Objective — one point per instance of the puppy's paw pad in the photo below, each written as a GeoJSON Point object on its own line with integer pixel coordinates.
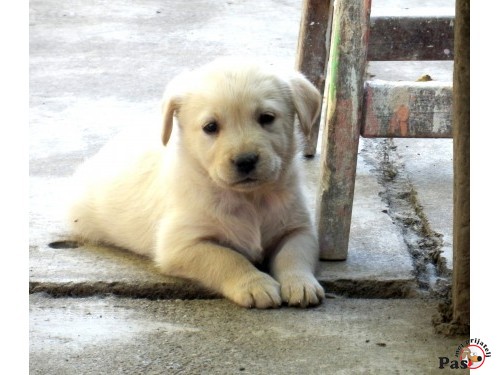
{"type": "Point", "coordinates": [260, 291]}
{"type": "Point", "coordinates": [301, 290]}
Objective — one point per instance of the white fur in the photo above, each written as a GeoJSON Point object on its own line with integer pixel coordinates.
{"type": "Point", "coordinates": [183, 202]}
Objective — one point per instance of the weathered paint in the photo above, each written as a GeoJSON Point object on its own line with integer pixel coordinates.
{"type": "Point", "coordinates": [343, 120]}
{"type": "Point", "coordinates": [334, 64]}
{"type": "Point", "coordinates": [399, 121]}
{"type": "Point", "coordinates": [407, 109]}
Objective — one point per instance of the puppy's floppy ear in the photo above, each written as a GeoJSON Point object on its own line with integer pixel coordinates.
{"type": "Point", "coordinates": [173, 97]}
{"type": "Point", "coordinates": [169, 105]}
{"type": "Point", "coordinates": [306, 99]}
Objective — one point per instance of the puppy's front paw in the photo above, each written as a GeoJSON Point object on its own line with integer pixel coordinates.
{"type": "Point", "coordinates": [301, 289]}
{"type": "Point", "coordinates": [255, 290]}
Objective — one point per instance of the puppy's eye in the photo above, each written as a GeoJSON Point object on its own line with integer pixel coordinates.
{"type": "Point", "coordinates": [266, 119]}
{"type": "Point", "coordinates": [211, 128]}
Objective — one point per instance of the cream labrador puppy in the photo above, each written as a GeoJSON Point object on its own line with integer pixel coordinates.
{"type": "Point", "coordinates": [221, 197]}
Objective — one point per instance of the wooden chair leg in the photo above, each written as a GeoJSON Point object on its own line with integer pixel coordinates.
{"type": "Point", "coordinates": [312, 52]}
{"type": "Point", "coordinates": [349, 44]}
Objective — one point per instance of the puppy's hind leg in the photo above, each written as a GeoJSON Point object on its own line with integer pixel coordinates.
{"type": "Point", "coordinates": [224, 271]}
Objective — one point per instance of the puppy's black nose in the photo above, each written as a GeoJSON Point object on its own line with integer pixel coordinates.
{"type": "Point", "coordinates": [245, 163]}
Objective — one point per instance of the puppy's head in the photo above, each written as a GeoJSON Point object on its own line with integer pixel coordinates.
{"type": "Point", "coordinates": [236, 120]}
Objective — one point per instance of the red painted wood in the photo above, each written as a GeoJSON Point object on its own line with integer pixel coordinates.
{"type": "Point", "coordinates": [407, 109]}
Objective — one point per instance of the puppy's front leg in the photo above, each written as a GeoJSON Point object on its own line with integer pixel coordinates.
{"type": "Point", "coordinates": [293, 266]}
{"type": "Point", "coordinates": [225, 271]}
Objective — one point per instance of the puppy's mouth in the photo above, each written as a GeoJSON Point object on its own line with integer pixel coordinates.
{"type": "Point", "coordinates": [247, 182]}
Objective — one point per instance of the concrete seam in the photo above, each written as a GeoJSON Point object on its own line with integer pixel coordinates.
{"type": "Point", "coordinates": [403, 207]}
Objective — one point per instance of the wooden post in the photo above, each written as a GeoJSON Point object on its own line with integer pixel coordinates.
{"type": "Point", "coordinates": [349, 44]}
{"type": "Point", "coordinates": [461, 169]}
{"type": "Point", "coordinates": [312, 53]}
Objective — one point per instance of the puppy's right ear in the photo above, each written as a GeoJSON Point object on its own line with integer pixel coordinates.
{"type": "Point", "coordinates": [169, 105]}
{"type": "Point", "coordinates": [175, 91]}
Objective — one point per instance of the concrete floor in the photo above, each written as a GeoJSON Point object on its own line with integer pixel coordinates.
{"type": "Point", "coordinates": [97, 67]}
{"type": "Point", "coordinates": [110, 335]}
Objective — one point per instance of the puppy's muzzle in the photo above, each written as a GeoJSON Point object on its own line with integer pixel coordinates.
{"type": "Point", "coordinates": [245, 163]}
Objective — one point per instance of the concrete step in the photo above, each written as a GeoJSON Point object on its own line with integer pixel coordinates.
{"type": "Point", "coordinates": [378, 265]}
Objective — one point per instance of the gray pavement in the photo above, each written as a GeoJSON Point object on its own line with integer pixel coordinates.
{"type": "Point", "coordinates": [110, 335]}
{"type": "Point", "coordinates": [97, 67]}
